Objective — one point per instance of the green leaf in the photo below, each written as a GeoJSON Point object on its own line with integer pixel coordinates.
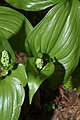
{"type": "Point", "coordinates": [33, 5]}
{"type": "Point", "coordinates": [79, 19]}
{"type": "Point", "coordinates": [20, 74]}
{"type": "Point", "coordinates": [15, 27]}
{"type": "Point", "coordinates": [35, 82]}
{"type": "Point", "coordinates": [11, 98]}
{"type": "Point", "coordinates": [58, 35]}
{"type": "Point", "coordinates": [31, 66]}
{"type": "Point", "coordinates": [69, 84]}
{"type": "Point", "coordinates": [4, 45]}
{"type": "Point", "coordinates": [47, 70]}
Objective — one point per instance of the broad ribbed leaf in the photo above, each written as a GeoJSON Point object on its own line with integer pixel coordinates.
{"type": "Point", "coordinates": [14, 26]}
{"type": "Point", "coordinates": [31, 66]}
{"type": "Point", "coordinates": [47, 70]}
{"type": "Point", "coordinates": [58, 35]}
{"type": "Point", "coordinates": [79, 17]}
{"type": "Point", "coordinates": [4, 45]}
{"type": "Point", "coordinates": [11, 98]}
{"type": "Point", "coordinates": [34, 82]}
{"type": "Point", "coordinates": [20, 73]}
{"type": "Point", "coordinates": [33, 5]}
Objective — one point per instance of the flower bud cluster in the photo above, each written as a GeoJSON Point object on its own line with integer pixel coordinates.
{"type": "Point", "coordinates": [5, 60]}
{"type": "Point", "coordinates": [39, 63]}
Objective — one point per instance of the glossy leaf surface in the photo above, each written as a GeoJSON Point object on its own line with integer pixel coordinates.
{"type": "Point", "coordinates": [34, 82]}
{"type": "Point", "coordinates": [11, 98]}
{"type": "Point", "coordinates": [58, 35]}
{"type": "Point", "coordinates": [33, 5]}
{"type": "Point", "coordinates": [31, 66]}
{"type": "Point", "coordinates": [14, 26]}
{"type": "Point", "coordinates": [4, 45]}
{"type": "Point", "coordinates": [20, 73]}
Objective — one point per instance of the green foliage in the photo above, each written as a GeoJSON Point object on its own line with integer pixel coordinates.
{"type": "Point", "coordinates": [11, 84]}
{"type": "Point", "coordinates": [33, 5]}
{"type": "Point", "coordinates": [4, 45]}
{"type": "Point", "coordinates": [36, 77]}
{"type": "Point", "coordinates": [20, 74]}
{"type": "Point", "coordinates": [15, 27]}
{"type": "Point", "coordinates": [68, 83]}
{"type": "Point", "coordinates": [11, 98]}
{"type": "Point", "coordinates": [53, 47]}
{"type": "Point", "coordinates": [58, 35]}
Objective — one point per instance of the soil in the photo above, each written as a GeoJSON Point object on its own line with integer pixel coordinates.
{"type": "Point", "coordinates": [67, 107]}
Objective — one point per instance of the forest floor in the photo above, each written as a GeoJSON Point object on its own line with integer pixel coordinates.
{"type": "Point", "coordinates": [67, 107]}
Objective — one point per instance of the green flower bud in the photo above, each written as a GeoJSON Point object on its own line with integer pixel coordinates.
{"type": "Point", "coordinates": [5, 60]}
{"type": "Point", "coordinates": [39, 63]}
{"type": "Point", "coordinates": [40, 55]}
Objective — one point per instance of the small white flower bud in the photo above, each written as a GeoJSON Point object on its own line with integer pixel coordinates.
{"type": "Point", "coordinates": [39, 63]}
{"type": "Point", "coordinates": [5, 59]}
